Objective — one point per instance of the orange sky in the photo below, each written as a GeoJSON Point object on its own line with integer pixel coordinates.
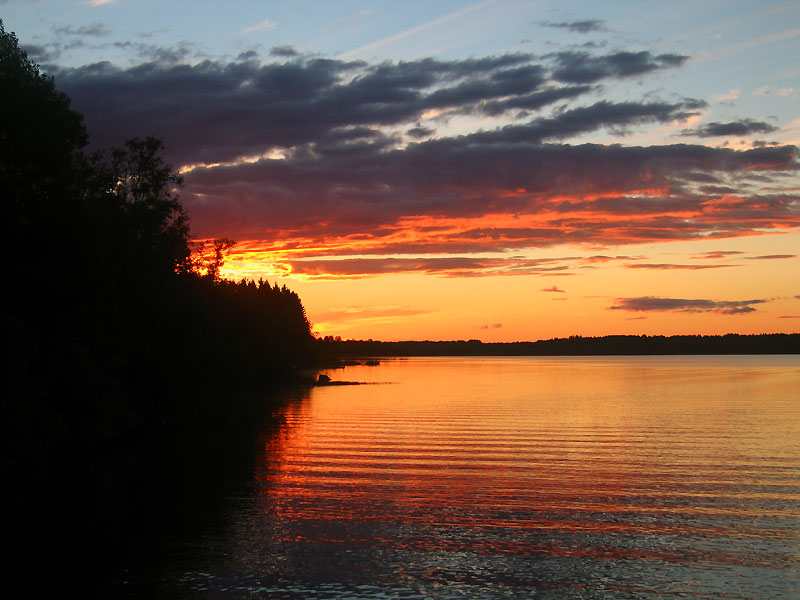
{"type": "Point", "coordinates": [574, 299]}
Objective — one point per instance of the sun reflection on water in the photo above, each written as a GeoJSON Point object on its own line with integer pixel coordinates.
{"type": "Point", "coordinates": [571, 478]}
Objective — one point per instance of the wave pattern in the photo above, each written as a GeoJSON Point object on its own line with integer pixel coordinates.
{"type": "Point", "coordinates": [556, 478]}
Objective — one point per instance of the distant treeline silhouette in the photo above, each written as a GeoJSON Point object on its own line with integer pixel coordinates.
{"type": "Point", "coordinates": [774, 343]}
{"type": "Point", "coordinates": [111, 317]}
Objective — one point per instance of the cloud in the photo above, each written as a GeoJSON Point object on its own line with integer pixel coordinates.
{"type": "Point", "coordinates": [356, 268]}
{"type": "Point", "coordinates": [717, 254]}
{"type": "Point", "coordinates": [617, 117]}
{"type": "Point", "coordinates": [249, 107]}
{"type": "Point", "coordinates": [668, 267]}
{"type": "Point", "coordinates": [533, 100]}
{"type": "Point", "coordinates": [582, 67]}
{"type": "Point", "coordinates": [582, 26]}
{"type": "Point", "coordinates": [656, 304]}
{"type": "Point", "coordinates": [369, 312]}
{"type": "Point", "coordinates": [419, 132]}
{"type": "Point", "coordinates": [772, 257]}
{"type": "Point", "coordinates": [366, 315]}
{"type": "Point", "coordinates": [601, 258]}
{"type": "Point", "coordinates": [771, 91]}
{"type": "Point", "coordinates": [265, 25]}
{"type": "Point", "coordinates": [42, 54]}
{"type": "Point", "coordinates": [447, 196]}
{"type": "Point", "coordinates": [98, 2]}
{"type": "Point", "coordinates": [726, 98]}
{"type": "Point", "coordinates": [492, 326]}
{"type": "Point", "coordinates": [741, 127]}
{"type": "Point", "coordinates": [95, 29]}
{"type": "Point", "coordinates": [335, 168]}
{"type": "Point", "coordinates": [553, 289]}
{"type": "Point", "coordinates": [285, 51]}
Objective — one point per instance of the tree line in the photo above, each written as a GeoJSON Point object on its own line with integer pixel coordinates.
{"type": "Point", "coordinates": [112, 318]}
{"type": "Point", "coordinates": [773, 343]}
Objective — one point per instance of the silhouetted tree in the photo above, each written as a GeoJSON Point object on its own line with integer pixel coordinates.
{"type": "Point", "coordinates": [143, 191]}
{"type": "Point", "coordinates": [208, 256]}
{"type": "Point", "coordinates": [109, 320]}
{"type": "Point", "coordinates": [40, 133]}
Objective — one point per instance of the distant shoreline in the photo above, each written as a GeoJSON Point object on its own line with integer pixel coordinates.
{"type": "Point", "coordinates": [610, 345]}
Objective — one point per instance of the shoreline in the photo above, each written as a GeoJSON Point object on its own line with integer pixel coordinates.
{"type": "Point", "coordinates": [612, 345]}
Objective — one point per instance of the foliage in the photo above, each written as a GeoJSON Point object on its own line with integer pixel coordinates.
{"type": "Point", "coordinates": [208, 256]}
{"type": "Point", "coordinates": [144, 191]}
{"type": "Point", "coordinates": [110, 321]}
{"type": "Point", "coordinates": [774, 343]}
{"type": "Point", "coordinates": [40, 132]}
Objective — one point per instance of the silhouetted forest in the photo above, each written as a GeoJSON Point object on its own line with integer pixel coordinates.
{"type": "Point", "coordinates": [776, 343]}
{"type": "Point", "coordinates": [112, 319]}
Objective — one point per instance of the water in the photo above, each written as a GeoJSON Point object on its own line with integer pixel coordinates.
{"type": "Point", "coordinates": [622, 477]}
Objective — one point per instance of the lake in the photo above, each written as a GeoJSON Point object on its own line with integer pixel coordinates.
{"type": "Point", "coordinates": [532, 477]}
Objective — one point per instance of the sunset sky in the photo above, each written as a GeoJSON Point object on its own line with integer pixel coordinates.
{"type": "Point", "coordinates": [501, 170]}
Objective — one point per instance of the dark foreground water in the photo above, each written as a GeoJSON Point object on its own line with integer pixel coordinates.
{"type": "Point", "coordinates": [623, 477]}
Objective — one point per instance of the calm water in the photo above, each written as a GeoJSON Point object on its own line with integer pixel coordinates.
{"type": "Point", "coordinates": [629, 477]}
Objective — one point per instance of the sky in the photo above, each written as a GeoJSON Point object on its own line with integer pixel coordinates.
{"type": "Point", "coordinates": [498, 170]}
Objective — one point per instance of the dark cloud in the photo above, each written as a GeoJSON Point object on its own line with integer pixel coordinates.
{"type": "Point", "coordinates": [718, 190]}
{"type": "Point", "coordinates": [617, 117]}
{"type": "Point", "coordinates": [742, 127]}
{"type": "Point", "coordinates": [772, 256]}
{"type": "Point", "coordinates": [95, 29]}
{"type": "Point", "coordinates": [534, 100]}
{"type": "Point", "coordinates": [41, 54]}
{"type": "Point", "coordinates": [492, 326]}
{"type": "Point", "coordinates": [419, 132]}
{"type": "Point", "coordinates": [582, 26]}
{"type": "Point", "coordinates": [312, 155]}
{"type": "Point", "coordinates": [360, 190]}
{"type": "Point", "coordinates": [165, 55]}
{"type": "Point", "coordinates": [214, 111]}
{"type": "Point", "coordinates": [285, 51]}
{"type": "Point", "coordinates": [512, 82]}
{"type": "Point", "coordinates": [582, 67]}
{"type": "Point", "coordinates": [247, 55]}
{"type": "Point", "coordinates": [656, 304]}
{"type": "Point", "coordinates": [553, 289]}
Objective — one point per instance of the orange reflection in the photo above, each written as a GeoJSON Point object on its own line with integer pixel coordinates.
{"type": "Point", "coordinates": [567, 458]}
